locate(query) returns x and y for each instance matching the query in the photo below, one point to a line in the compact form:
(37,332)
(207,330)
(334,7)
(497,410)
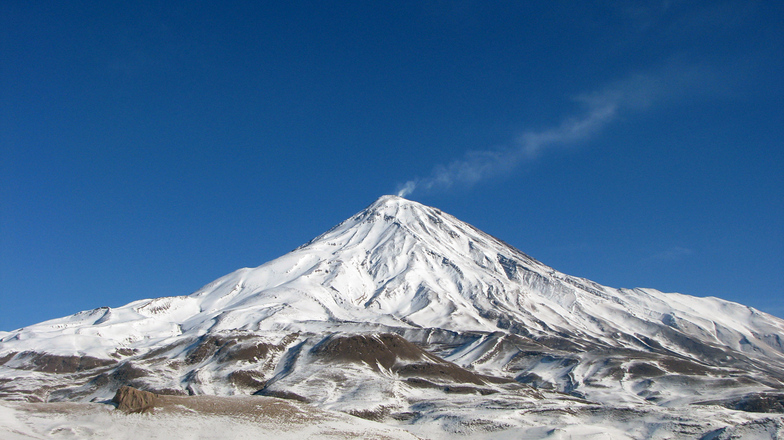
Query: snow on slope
(253,418)
(402,264)
(491,316)
(227,418)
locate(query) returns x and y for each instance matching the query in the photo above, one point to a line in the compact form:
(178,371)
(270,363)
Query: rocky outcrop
(377,351)
(51,363)
(760,402)
(132,400)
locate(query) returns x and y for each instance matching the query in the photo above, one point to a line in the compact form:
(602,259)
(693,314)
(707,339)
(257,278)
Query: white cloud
(672,254)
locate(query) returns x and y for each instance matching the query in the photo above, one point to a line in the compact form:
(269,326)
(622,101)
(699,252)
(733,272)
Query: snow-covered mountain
(403,304)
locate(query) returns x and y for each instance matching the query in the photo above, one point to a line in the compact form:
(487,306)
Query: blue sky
(151,147)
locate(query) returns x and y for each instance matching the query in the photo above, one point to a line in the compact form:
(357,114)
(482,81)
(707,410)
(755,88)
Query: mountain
(400,312)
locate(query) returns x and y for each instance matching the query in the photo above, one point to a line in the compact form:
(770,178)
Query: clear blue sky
(151,147)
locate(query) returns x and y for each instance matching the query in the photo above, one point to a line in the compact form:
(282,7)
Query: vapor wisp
(479,165)
(601,108)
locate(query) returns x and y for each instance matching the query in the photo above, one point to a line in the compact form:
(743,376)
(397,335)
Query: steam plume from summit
(601,108)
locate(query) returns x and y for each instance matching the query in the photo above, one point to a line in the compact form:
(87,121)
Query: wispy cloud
(672,254)
(601,107)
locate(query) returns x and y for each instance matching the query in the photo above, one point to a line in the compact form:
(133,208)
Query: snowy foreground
(207,417)
(212,417)
(402,321)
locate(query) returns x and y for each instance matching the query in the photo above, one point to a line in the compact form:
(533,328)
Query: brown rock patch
(644,369)
(50,363)
(760,402)
(684,366)
(374,350)
(442,370)
(392,352)
(250,352)
(131,400)
(7,357)
(247,379)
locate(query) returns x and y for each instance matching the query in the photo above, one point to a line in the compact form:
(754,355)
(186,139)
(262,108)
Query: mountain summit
(397,299)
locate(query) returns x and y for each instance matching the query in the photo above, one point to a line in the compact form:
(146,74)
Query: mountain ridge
(486,318)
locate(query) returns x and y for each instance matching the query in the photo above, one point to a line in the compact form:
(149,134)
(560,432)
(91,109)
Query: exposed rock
(126,374)
(288,395)
(684,366)
(231,347)
(643,369)
(439,370)
(132,400)
(50,363)
(247,379)
(206,347)
(7,357)
(374,350)
(769,428)
(761,402)
(376,414)
(394,353)
(122,352)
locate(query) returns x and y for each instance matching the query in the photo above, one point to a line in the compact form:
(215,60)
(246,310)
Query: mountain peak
(390,198)
(399,209)
(414,302)
(390,201)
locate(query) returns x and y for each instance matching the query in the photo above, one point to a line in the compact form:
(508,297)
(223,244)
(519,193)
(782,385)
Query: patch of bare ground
(559,343)
(283,413)
(759,402)
(196,417)
(394,353)
(445,370)
(684,366)
(124,352)
(50,363)
(125,374)
(248,407)
(58,407)
(249,379)
(131,400)
(233,347)
(281,394)
(377,414)
(7,357)
(455,389)
(374,350)
(644,369)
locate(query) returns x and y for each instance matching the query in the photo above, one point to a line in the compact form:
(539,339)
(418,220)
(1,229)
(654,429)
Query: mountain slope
(485,317)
